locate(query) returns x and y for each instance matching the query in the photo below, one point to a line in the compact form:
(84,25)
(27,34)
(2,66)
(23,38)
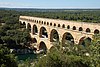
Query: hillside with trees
(12,36)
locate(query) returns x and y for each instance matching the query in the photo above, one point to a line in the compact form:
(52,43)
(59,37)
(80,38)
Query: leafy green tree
(6,59)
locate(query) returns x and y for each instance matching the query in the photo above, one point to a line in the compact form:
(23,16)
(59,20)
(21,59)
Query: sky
(50,3)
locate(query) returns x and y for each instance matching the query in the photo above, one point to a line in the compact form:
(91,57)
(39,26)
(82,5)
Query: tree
(6,59)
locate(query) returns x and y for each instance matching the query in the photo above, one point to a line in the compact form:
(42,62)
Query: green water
(24,57)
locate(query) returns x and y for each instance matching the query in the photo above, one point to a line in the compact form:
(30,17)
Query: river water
(24,57)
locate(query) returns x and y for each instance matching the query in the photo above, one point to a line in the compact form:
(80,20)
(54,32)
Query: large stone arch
(43,33)
(54,36)
(35,29)
(85,41)
(29,27)
(67,39)
(42,46)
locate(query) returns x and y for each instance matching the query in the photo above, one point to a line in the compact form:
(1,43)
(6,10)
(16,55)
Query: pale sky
(50,3)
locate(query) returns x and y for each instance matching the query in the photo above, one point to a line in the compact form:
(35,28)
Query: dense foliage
(72,56)
(73,15)
(7,59)
(12,35)
(84,16)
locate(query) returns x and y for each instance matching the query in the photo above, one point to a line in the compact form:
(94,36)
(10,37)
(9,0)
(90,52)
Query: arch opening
(42,47)
(58,25)
(88,30)
(67,39)
(22,25)
(63,26)
(29,27)
(43,33)
(74,28)
(35,29)
(54,24)
(68,27)
(80,29)
(37,21)
(96,31)
(54,36)
(85,41)
(47,23)
(44,23)
(50,24)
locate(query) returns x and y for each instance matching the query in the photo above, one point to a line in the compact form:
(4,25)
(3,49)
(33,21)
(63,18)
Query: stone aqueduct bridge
(47,31)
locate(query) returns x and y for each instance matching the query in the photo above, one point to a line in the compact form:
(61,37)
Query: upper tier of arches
(65,26)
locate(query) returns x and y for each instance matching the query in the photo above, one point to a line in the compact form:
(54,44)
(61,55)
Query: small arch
(58,25)
(35,29)
(54,36)
(67,39)
(74,28)
(43,33)
(24,23)
(37,21)
(85,41)
(80,29)
(96,31)
(54,24)
(88,30)
(68,27)
(42,47)
(63,26)
(50,24)
(44,23)
(47,23)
